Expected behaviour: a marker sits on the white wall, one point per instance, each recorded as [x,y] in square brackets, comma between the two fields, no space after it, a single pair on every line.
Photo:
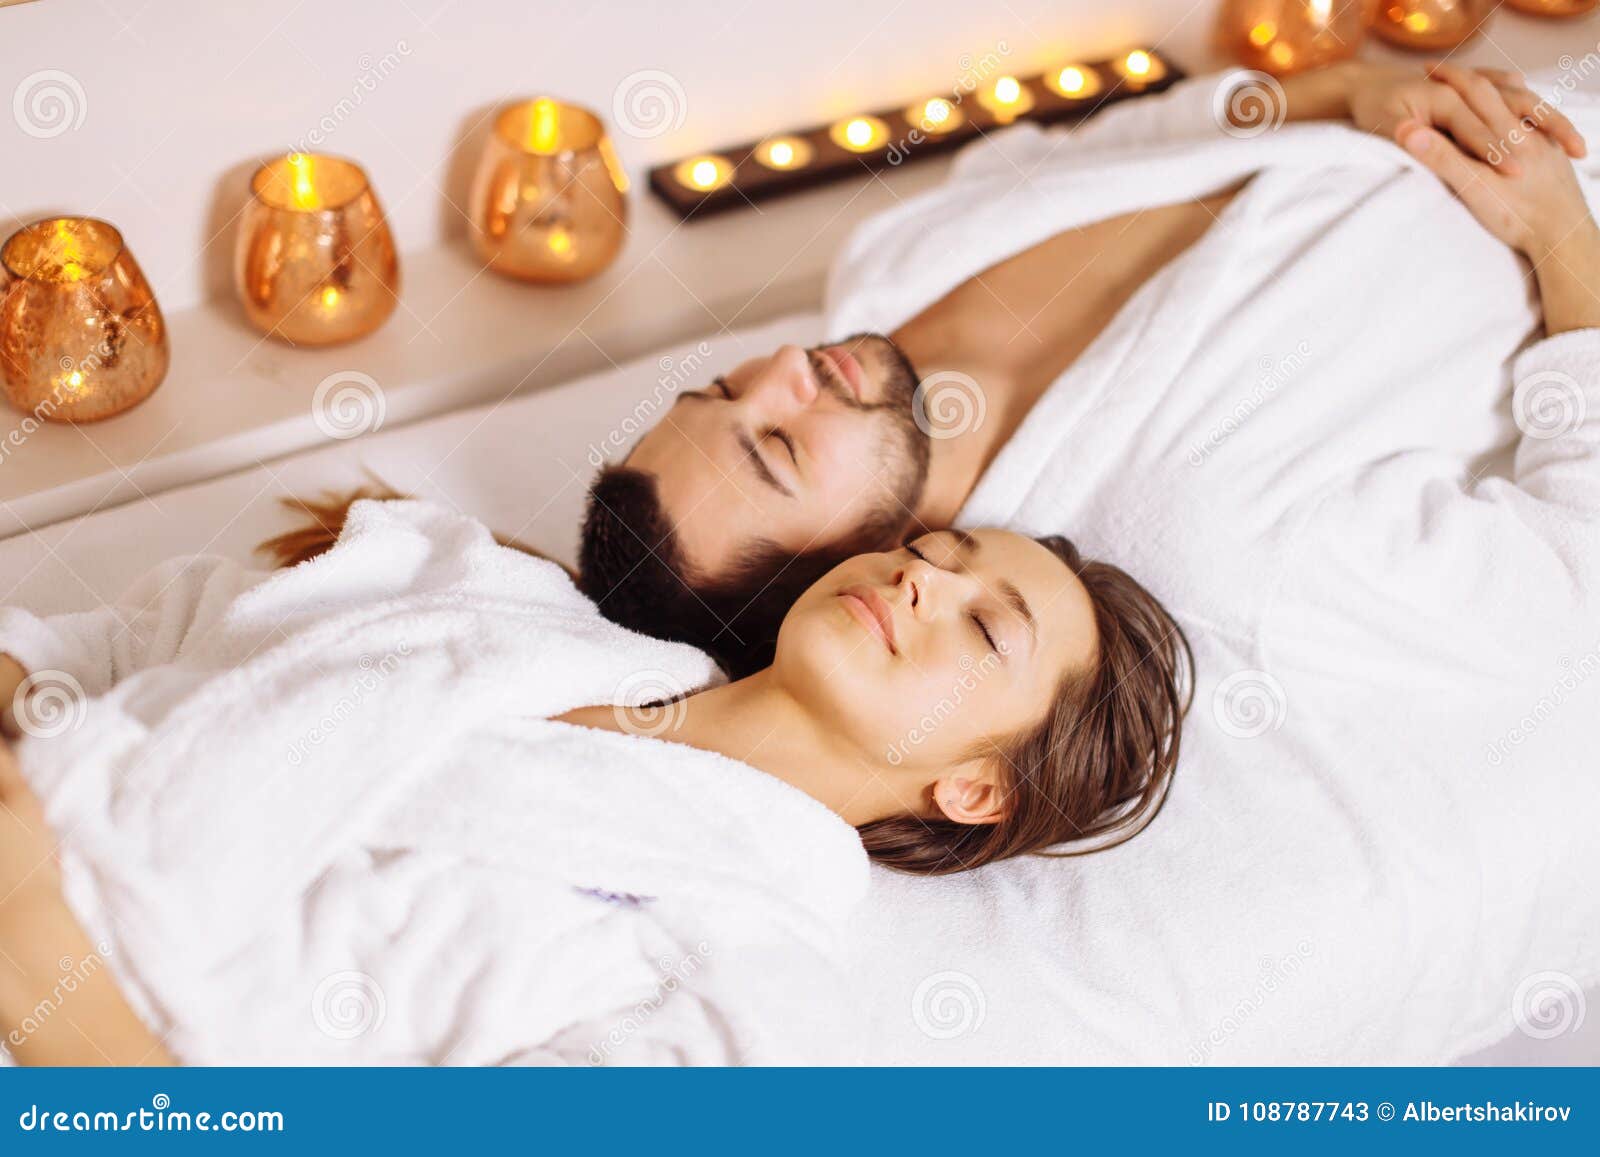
[177,98]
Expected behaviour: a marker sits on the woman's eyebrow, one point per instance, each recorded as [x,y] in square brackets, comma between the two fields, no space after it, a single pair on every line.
[968,542]
[1013,597]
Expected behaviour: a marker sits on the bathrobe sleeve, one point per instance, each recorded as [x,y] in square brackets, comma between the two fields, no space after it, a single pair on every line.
[148,626]
[1451,571]
[1191,110]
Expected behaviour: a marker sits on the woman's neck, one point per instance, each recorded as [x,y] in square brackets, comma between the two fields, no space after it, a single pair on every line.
[755,721]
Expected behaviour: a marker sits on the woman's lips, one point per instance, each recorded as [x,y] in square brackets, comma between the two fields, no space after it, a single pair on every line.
[869,609]
[848,368]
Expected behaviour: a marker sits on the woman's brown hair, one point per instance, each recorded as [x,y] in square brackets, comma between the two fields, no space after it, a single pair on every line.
[1097,769]
[1092,774]
[323,520]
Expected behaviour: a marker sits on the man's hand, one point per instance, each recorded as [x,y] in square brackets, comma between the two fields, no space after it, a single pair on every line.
[1532,201]
[1485,111]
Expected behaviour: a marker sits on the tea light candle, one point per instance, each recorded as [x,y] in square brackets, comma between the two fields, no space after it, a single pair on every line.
[1288,36]
[1139,67]
[81,335]
[935,115]
[1430,25]
[785,153]
[860,134]
[315,263]
[549,201]
[703,173]
[1073,82]
[1006,99]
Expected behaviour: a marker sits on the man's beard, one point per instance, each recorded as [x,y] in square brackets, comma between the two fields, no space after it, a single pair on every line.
[904,448]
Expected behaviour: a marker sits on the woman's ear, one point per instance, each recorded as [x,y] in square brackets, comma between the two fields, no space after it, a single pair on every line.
[969,801]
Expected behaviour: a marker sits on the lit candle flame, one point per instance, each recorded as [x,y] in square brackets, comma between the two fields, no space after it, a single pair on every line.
[1006,99]
[860,134]
[784,153]
[703,173]
[1073,81]
[305,189]
[1139,67]
[69,251]
[934,115]
[544,126]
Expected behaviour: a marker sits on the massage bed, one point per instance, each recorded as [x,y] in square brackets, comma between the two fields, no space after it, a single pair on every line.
[964,969]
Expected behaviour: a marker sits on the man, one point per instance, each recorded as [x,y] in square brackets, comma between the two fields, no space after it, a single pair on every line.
[752,487]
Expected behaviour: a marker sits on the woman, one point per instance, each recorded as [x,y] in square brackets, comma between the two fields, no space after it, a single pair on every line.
[380,806]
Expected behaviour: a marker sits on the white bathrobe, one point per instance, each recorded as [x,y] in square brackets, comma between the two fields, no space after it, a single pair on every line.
[323,816]
[1383,828]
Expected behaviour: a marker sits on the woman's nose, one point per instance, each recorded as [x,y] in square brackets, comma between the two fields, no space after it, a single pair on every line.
[920,587]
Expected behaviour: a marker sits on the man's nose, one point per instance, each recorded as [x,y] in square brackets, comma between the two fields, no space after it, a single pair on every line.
[786,384]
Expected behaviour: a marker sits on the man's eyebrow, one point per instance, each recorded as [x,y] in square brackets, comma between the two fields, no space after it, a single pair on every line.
[753,456]
[719,382]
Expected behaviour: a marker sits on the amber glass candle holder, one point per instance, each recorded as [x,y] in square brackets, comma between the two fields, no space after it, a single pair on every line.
[1282,37]
[1554,7]
[549,202]
[1430,25]
[315,262]
[81,335]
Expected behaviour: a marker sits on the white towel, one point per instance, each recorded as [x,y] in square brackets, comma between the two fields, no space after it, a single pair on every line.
[1380,846]
[322,816]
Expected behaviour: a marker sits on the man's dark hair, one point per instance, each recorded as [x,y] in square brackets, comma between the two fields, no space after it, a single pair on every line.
[630,564]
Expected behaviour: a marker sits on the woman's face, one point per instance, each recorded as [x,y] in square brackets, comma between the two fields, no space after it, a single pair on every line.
[920,655]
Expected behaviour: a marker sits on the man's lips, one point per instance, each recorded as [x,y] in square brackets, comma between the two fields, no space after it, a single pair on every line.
[844,363]
[870,610]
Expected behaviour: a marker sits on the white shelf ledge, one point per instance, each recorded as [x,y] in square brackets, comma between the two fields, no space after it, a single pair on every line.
[462,335]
